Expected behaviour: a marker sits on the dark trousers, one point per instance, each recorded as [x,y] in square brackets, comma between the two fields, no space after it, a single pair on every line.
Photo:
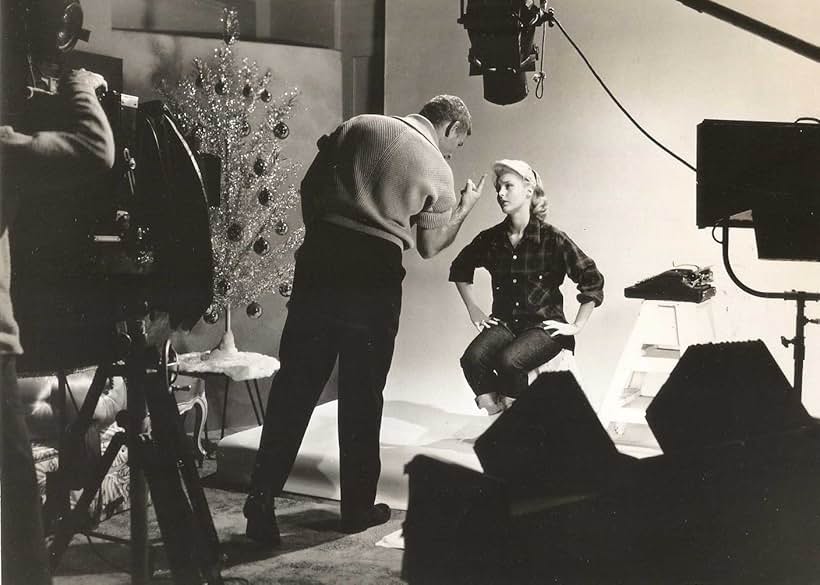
[25,560]
[345,304]
[498,360]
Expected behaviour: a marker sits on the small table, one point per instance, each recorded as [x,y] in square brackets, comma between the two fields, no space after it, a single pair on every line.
[239,366]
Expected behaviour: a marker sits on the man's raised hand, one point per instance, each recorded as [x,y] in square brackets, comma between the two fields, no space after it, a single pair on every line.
[471,192]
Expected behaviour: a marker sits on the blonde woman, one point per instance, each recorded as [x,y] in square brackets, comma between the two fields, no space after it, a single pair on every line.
[527,259]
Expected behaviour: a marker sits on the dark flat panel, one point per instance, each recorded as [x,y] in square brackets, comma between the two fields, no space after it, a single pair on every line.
[189,16]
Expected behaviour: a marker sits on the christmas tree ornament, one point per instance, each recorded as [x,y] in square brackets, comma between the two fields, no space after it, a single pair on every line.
[265,96]
[195,141]
[260,167]
[246,127]
[230,25]
[285,289]
[281,227]
[281,130]
[265,197]
[221,86]
[247,91]
[261,246]
[222,287]
[234,232]
[254,310]
[211,316]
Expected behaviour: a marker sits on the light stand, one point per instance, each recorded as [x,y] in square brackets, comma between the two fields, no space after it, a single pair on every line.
[800,297]
[812,52]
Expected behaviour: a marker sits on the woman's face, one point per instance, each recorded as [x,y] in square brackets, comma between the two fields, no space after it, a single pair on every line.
[513,193]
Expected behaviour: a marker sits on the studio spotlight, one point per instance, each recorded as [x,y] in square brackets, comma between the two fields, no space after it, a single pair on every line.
[501,34]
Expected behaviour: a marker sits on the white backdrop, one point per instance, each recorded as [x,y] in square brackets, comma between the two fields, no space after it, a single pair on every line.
[627,204]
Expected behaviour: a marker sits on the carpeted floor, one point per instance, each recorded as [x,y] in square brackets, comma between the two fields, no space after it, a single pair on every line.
[313,551]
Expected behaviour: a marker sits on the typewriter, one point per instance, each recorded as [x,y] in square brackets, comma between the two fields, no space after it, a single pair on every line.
[676,284]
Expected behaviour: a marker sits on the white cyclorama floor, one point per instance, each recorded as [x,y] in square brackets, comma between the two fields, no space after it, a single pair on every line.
[408,429]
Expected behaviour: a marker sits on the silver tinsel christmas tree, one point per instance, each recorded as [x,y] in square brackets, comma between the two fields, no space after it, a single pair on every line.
[226,109]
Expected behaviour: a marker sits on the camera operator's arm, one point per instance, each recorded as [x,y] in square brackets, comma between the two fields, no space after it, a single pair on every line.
[83,146]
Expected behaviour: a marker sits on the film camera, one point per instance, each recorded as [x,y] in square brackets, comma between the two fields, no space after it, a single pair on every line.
[133,241]
[89,264]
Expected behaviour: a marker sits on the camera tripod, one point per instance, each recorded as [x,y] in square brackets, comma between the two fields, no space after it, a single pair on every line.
[161,463]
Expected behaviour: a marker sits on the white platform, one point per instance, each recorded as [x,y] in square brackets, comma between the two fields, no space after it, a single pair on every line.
[408,429]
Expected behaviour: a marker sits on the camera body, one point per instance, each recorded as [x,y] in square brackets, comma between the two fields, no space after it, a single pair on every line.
[132,240]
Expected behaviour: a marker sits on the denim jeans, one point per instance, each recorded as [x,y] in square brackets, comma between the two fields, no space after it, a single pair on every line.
[346,303]
[24,548]
[498,360]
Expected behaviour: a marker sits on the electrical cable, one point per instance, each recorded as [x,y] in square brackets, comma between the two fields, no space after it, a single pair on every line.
[615,100]
[155,576]
[166,576]
[541,76]
[714,227]
[92,545]
[695,267]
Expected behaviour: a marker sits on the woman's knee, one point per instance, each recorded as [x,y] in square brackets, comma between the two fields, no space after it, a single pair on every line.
[510,363]
[469,359]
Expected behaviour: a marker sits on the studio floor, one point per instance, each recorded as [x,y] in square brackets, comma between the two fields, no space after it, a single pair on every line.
[313,551]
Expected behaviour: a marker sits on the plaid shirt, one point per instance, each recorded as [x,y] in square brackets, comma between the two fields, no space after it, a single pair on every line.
[526,279]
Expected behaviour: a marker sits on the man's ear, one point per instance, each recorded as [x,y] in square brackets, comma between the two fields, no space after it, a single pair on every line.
[452,127]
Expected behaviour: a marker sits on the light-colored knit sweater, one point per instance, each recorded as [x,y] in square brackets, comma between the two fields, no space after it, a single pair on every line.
[380,175]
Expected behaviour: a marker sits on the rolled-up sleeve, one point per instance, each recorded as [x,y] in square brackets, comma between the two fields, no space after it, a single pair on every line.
[437,215]
[584,272]
[438,207]
[471,257]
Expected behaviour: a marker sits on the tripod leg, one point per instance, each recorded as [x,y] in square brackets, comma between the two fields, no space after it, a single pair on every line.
[174,517]
[169,436]
[76,458]
[72,522]
[135,378]
[204,529]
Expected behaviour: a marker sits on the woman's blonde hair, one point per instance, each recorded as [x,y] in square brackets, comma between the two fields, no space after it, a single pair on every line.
[538,203]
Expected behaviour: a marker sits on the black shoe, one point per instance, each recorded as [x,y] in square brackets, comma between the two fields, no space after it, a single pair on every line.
[378,514]
[261,515]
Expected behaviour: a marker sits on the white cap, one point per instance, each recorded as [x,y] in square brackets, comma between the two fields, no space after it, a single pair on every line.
[520,168]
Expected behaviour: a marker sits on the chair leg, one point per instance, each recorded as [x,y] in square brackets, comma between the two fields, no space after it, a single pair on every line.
[224,408]
[201,413]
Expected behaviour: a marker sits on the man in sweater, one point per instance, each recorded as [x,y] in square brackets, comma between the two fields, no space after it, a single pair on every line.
[34,165]
[374,180]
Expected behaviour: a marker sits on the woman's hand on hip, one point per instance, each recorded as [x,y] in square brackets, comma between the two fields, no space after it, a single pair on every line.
[481,321]
[555,328]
